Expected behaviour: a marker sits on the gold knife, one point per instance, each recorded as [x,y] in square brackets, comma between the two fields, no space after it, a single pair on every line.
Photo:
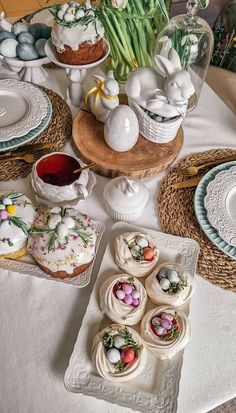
[28,148]
[187,184]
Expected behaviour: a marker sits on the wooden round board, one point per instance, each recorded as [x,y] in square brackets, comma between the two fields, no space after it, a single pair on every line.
[144,159]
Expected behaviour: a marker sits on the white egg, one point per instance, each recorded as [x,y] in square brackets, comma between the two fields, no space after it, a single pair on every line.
[65,6]
[113,355]
[79,14]
[62,231]
[69,222]
[68,17]
[8,47]
[121,129]
[165,284]
[172,276]
[119,342]
[53,221]
[142,242]
[61,14]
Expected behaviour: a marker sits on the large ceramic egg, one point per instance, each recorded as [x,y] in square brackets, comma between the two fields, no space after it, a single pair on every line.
[121,129]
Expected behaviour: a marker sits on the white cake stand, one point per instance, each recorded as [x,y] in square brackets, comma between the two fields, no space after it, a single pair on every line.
[30,70]
[76,73]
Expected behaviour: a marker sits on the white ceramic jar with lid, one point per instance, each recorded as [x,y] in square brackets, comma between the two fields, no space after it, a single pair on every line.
[125,198]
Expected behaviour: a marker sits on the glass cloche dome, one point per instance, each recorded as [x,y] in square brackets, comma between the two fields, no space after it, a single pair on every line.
[192,38]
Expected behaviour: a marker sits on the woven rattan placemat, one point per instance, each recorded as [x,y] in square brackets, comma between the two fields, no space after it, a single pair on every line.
[177,217]
[58,132]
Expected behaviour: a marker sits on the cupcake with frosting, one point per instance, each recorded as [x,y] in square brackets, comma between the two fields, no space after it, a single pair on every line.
[165,330]
[118,353]
[136,253]
[123,299]
[170,284]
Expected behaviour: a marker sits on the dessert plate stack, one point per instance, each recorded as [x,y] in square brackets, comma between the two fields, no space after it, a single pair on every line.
[25,111]
[215,206]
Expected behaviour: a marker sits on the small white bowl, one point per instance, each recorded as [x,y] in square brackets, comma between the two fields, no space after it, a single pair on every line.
[125,198]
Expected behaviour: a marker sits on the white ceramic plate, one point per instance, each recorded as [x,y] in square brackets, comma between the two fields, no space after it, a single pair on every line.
[16,142]
[220,204]
[27,265]
[22,108]
[155,390]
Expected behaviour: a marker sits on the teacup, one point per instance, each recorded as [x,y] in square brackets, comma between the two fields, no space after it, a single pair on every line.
[54,181]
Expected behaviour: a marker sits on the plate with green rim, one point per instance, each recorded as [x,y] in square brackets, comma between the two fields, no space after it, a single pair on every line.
[15,142]
[201,212]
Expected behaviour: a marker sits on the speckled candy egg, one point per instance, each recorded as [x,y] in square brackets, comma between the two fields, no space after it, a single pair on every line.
[26,51]
[119,342]
[142,242]
[39,46]
[8,47]
[165,284]
[113,355]
[173,276]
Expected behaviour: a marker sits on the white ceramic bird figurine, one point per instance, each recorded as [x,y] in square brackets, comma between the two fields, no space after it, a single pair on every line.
[4,24]
[164,89]
[103,98]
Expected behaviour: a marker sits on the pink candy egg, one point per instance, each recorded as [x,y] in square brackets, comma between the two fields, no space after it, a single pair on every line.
[135,302]
[160,330]
[128,299]
[166,324]
[167,316]
[127,288]
[135,294]
[120,294]
[3,215]
[156,320]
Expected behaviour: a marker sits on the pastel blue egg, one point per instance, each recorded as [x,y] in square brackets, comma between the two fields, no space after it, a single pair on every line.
[19,27]
[4,34]
[26,51]
[26,38]
[7,201]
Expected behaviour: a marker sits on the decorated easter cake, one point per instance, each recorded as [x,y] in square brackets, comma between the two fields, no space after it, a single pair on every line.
[118,353]
[17,215]
[77,33]
[123,299]
[170,284]
[62,242]
[165,330]
[136,253]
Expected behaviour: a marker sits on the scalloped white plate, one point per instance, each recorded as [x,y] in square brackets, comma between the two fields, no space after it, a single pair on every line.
[155,390]
[27,265]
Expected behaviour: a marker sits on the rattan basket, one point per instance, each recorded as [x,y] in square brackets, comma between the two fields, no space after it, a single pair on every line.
[152,130]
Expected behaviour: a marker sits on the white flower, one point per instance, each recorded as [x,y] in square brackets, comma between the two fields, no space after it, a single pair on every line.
[119,4]
[193,39]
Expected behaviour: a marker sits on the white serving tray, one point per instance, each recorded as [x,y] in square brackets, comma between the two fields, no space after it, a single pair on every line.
[155,390]
[27,265]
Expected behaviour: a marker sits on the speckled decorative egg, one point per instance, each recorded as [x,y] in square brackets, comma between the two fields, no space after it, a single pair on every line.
[121,129]
[37,29]
[165,284]
[119,342]
[26,38]
[39,46]
[19,27]
[142,242]
[172,276]
[8,47]
[4,34]
[26,51]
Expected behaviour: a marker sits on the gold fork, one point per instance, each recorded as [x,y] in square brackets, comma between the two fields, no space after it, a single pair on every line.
[28,158]
[194,170]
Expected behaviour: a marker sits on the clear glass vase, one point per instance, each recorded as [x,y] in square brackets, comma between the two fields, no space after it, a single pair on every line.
[131,32]
[192,38]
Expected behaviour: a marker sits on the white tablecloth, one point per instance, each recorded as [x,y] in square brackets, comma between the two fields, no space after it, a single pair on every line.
[40,320]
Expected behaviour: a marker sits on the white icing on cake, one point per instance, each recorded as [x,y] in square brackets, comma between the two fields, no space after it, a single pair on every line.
[106,369]
[158,296]
[161,348]
[12,238]
[124,258]
[116,309]
[69,253]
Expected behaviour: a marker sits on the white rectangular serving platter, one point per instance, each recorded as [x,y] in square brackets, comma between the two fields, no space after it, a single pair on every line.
[155,390]
[27,265]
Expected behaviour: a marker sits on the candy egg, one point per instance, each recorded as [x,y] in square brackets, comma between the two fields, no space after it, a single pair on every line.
[135,294]
[69,222]
[128,299]
[7,201]
[142,242]
[166,324]
[119,342]
[79,14]
[167,316]
[69,17]
[3,215]
[62,231]
[113,355]
[165,284]
[135,302]
[127,288]
[2,207]
[135,251]
[60,14]
[148,253]
[11,209]
[53,221]
[156,321]
[128,355]
[172,276]
[160,330]
[162,273]
[120,294]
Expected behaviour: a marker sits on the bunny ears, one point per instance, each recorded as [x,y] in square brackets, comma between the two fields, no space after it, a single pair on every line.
[168,66]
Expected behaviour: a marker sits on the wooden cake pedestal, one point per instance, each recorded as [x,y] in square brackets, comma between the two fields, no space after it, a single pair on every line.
[144,159]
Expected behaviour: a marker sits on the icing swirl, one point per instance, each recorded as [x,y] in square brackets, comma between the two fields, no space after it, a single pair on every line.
[105,368]
[116,309]
[161,348]
[158,296]
[127,262]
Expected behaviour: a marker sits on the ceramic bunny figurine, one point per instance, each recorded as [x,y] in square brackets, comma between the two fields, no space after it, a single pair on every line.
[103,97]
[164,89]
[4,24]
